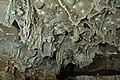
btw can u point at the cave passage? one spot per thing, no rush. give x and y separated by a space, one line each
101 66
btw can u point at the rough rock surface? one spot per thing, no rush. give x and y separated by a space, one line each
59 39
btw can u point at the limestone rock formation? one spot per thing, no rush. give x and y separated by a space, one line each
59 39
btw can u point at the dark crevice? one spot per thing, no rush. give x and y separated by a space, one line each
103 44
54 55
118 33
86 25
66 32
15 24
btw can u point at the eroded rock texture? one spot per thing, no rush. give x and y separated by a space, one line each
59 39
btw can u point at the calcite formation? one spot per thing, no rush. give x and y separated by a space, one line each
44 38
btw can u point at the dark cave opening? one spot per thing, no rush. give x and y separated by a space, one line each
69 72
66 72
96 68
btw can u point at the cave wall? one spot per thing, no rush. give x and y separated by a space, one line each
42 37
